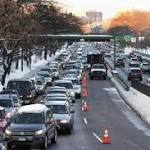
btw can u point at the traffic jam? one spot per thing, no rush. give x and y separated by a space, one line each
34 111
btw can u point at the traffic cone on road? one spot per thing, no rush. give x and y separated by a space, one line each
106 138
84 92
85 107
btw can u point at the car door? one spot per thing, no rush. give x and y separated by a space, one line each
50 124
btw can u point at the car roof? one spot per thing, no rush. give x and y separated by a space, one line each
33 108
135 68
43 72
56 103
56 88
62 81
5 96
20 80
56 95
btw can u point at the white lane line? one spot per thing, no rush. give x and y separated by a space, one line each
85 120
97 137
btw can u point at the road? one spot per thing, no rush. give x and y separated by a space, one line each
106 110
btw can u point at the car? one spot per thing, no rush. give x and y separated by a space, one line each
55 73
98 71
3 119
145 67
47 77
120 62
68 85
32 125
7 102
63 114
40 86
25 88
134 64
76 86
134 74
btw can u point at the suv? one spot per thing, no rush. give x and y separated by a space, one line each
32 125
120 62
98 71
25 88
135 73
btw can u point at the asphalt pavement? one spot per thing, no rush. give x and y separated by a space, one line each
106 111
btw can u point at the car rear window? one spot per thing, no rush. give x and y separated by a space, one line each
66 85
58 109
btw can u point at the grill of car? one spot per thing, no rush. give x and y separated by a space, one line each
23 133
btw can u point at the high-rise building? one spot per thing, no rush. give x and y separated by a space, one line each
94 16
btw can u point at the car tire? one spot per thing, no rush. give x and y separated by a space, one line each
69 130
129 79
105 78
91 78
140 79
54 139
45 144
9 146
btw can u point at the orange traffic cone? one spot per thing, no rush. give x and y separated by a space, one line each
106 138
84 92
85 107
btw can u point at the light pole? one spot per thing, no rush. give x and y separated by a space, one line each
114 52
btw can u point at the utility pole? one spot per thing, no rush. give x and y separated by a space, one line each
114 52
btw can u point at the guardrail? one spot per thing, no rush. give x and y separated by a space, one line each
117 77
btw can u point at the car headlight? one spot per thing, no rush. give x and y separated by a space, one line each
72 94
64 121
8 132
40 132
29 96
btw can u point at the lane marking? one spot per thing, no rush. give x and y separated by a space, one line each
85 120
97 137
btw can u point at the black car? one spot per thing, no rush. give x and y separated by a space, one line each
134 74
25 88
32 125
120 62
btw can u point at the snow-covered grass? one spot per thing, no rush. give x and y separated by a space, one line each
36 64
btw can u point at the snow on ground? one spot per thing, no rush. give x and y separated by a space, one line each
136 100
36 63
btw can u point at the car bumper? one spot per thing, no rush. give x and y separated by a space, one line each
33 141
98 75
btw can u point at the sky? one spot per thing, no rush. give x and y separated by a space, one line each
108 7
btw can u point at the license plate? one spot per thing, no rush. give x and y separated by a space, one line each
22 139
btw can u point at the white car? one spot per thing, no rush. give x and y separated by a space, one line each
68 85
76 86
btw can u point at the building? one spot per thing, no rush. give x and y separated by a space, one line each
94 16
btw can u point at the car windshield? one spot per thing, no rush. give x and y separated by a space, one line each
19 85
66 85
55 99
28 118
75 82
98 66
44 75
135 71
55 92
39 82
6 103
58 109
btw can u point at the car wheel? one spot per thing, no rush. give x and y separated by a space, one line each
45 144
91 78
9 146
140 79
128 79
105 78
69 130
54 139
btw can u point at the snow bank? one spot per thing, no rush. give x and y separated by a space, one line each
136 100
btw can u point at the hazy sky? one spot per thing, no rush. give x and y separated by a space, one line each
108 7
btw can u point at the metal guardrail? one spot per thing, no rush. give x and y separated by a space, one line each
118 78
